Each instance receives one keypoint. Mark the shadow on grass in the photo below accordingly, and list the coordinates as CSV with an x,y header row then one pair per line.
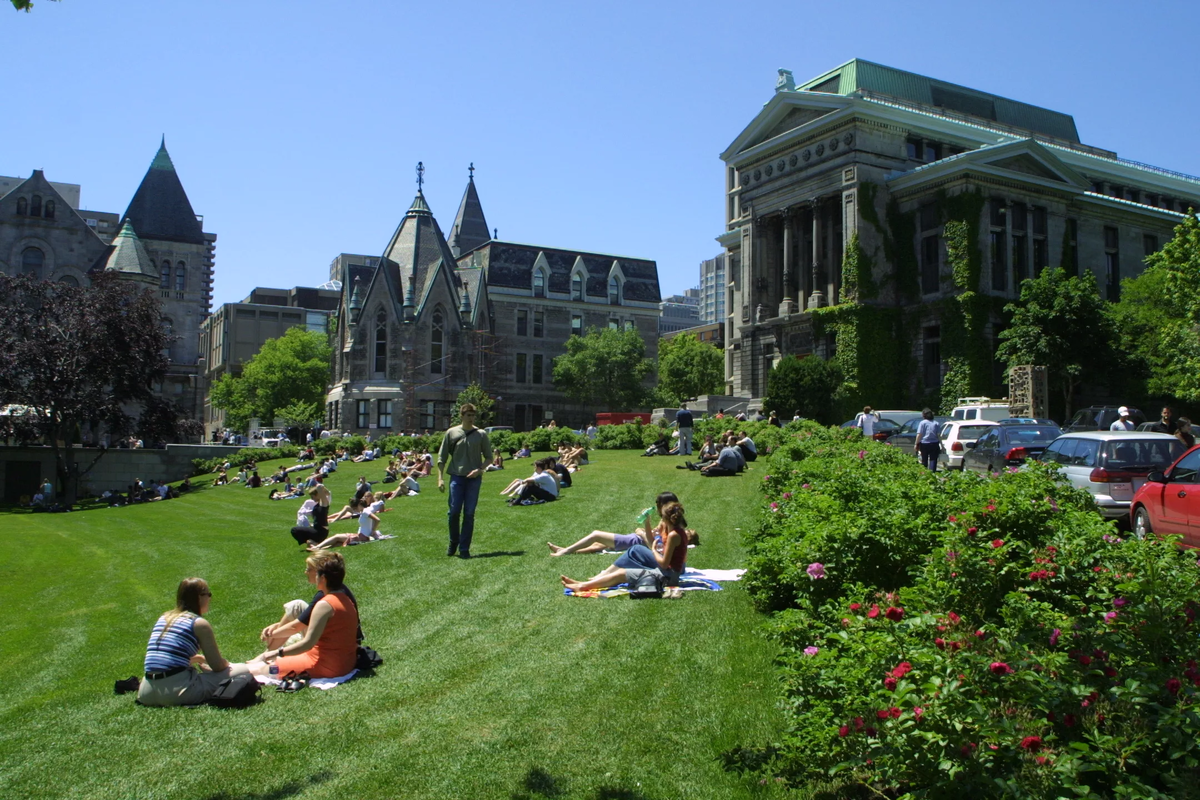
x,y
497,554
290,789
538,783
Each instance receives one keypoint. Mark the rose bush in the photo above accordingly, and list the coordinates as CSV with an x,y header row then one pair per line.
x,y
973,636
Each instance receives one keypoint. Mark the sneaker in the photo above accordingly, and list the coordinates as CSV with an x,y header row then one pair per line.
x,y
130,684
452,550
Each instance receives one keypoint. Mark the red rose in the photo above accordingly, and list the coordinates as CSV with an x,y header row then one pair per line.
x,y
874,612
971,531
902,669
858,723
1031,743
1069,720
954,618
997,543
1041,760
941,643
895,712
1000,668
1110,672
894,614
980,635
890,683
844,731
870,731
967,749
855,606
1173,686
883,713
1085,660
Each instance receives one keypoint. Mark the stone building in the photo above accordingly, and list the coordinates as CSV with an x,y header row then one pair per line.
x,y
436,314
840,196
158,242
679,311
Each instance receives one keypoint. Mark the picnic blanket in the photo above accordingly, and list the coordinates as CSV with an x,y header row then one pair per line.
x,y
378,538
691,580
315,683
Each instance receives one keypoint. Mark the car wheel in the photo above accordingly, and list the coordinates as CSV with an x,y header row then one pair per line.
x,y
1141,522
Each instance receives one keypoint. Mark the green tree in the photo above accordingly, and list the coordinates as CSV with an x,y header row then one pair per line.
x,y
483,402
1063,324
688,367
1158,315
291,369
299,414
604,369
24,5
803,386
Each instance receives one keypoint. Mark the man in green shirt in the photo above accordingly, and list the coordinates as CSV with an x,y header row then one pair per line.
x,y
465,451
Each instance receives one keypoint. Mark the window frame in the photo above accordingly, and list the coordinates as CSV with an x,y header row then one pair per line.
x,y
363,413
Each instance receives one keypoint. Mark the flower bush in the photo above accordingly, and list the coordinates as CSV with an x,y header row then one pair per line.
x,y
972,636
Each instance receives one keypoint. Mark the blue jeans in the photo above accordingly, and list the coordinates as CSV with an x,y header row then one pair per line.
x,y
464,496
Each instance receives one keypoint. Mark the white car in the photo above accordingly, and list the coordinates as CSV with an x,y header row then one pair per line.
x,y
955,436
1112,465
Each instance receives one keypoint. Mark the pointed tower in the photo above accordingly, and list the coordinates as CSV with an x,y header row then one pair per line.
x,y
160,208
470,229
128,258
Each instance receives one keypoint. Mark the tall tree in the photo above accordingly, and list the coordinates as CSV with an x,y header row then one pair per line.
x,y
293,368
1063,324
483,402
76,357
1158,315
604,369
688,367
803,386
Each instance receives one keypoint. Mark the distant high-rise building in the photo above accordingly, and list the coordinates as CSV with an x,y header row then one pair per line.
x,y
712,290
679,311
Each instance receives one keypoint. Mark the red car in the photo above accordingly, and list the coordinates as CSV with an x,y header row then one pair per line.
x,y
1169,502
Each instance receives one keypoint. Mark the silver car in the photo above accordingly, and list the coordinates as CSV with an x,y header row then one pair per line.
x,y
1112,465
956,435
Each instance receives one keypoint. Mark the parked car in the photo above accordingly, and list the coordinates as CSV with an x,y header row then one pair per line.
x,y
1169,500
970,408
883,428
1098,418
899,416
907,435
1112,465
956,435
1008,446
492,428
1025,421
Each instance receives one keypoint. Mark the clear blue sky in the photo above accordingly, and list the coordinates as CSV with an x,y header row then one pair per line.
x,y
295,126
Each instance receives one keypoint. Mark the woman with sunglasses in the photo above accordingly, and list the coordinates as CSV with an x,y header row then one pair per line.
x,y
184,666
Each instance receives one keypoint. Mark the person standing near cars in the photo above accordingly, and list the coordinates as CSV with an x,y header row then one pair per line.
x,y
465,451
927,445
683,418
1166,422
865,422
1125,422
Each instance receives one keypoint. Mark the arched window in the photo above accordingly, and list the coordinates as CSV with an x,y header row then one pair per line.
x,y
614,291
436,338
35,206
576,286
69,280
49,209
180,276
22,206
539,283
32,260
381,343
164,275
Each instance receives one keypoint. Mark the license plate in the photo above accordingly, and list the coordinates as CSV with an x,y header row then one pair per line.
x,y
1121,491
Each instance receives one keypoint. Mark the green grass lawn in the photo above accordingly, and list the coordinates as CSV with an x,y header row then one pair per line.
x,y
494,684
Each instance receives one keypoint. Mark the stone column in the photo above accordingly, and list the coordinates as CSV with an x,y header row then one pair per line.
x,y
788,306
817,298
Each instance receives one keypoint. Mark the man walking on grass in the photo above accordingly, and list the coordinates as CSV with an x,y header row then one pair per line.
x,y
468,450
684,418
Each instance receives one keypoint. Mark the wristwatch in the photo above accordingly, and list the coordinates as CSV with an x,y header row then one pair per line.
x,y
279,654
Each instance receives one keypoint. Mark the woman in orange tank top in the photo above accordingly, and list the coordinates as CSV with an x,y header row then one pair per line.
x,y
329,648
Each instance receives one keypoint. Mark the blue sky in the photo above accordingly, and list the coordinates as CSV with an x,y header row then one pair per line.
x,y
296,126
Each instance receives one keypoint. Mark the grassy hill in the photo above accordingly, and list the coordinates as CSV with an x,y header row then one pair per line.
x,y
494,685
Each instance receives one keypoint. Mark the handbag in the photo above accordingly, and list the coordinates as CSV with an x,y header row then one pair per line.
x,y
367,659
644,583
236,691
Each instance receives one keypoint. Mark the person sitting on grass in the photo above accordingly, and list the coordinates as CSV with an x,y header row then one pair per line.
x,y
571,457
329,646
296,613
729,462
183,664
392,472
709,451
671,561
597,541
524,452
351,510
222,479
541,487
497,463
254,482
368,529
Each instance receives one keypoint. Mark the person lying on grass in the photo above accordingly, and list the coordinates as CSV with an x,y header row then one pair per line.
x,y
183,664
671,561
597,541
296,613
368,529
349,511
329,646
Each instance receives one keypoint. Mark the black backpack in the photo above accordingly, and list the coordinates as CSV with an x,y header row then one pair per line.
x,y
237,691
368,659
644,583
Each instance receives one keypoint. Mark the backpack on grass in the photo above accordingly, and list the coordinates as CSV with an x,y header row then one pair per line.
x,y
644,583
237,691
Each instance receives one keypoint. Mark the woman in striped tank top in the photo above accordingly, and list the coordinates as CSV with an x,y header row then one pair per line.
x,y
184,666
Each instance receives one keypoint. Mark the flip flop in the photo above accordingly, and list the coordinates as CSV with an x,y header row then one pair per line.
x,y
301,681
285,683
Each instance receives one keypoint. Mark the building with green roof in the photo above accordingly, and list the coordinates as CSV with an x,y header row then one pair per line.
x,y
837,198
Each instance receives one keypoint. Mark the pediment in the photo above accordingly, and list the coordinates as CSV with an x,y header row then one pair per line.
x,y
785,112
794,119
1028,157
1028,165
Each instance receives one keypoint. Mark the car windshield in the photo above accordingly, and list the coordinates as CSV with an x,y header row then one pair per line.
x,y
1084,417
1040,434
1141,453
967,433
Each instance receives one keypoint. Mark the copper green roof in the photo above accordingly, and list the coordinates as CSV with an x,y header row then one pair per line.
x,y
858,75
128,256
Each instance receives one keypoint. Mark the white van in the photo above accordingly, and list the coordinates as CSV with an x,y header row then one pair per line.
x,y
974,408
